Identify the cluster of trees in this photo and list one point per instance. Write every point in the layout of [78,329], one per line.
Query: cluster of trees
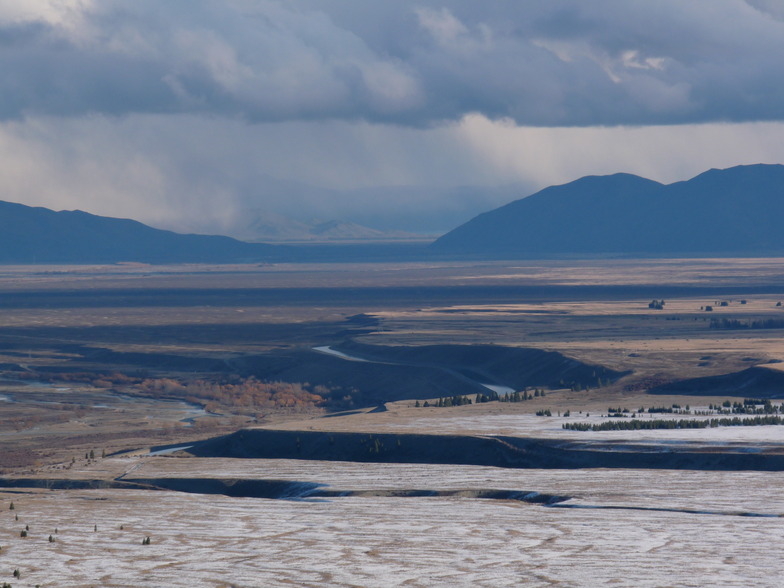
[656,304]
[748,406]
[232,393]
[578,386]
[522,395]
[735,324]
[617,411]
[489,396]
[244,395]
[675,408]
[658,409]
[375,444]
[639,424]
[448,401]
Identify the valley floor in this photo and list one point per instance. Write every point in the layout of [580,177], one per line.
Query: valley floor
[109,360]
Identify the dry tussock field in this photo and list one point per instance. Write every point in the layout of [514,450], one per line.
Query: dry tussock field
[108,359]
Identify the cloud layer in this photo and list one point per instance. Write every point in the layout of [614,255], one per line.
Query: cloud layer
[419,63]
[190,171]
[411,114]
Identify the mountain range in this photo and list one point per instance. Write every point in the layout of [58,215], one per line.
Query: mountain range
[39,235]
[735,211]
[258,225]
[730,212]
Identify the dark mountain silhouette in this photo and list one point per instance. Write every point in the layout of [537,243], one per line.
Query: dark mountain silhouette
[39,235]
[735,211]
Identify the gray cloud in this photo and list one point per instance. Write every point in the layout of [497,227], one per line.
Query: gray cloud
[191,172]
[414,63]
[411,115]
[773,8]
[197,173]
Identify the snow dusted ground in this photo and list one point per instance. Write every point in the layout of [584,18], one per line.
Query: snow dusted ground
[527,425]
[210,540]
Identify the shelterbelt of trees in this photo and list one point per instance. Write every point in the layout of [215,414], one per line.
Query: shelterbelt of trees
[640,424]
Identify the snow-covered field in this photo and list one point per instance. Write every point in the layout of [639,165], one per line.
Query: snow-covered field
[705,535]
[455,421]
[527,425]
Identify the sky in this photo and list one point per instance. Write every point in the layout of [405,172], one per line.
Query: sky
[406,115]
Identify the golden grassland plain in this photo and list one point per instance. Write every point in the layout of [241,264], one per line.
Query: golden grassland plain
[595,311]
[67,332]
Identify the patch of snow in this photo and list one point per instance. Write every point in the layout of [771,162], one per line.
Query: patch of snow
[169,450]
[502,390]
[212,540]
[334,352]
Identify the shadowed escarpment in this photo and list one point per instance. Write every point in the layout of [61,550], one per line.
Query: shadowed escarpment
[368,384]
[497,451]
[389,373]
[72,484]
[273,489]
[516,367]
[754,382]
[293,490]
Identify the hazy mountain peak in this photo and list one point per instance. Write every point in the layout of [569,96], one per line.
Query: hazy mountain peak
[259,225]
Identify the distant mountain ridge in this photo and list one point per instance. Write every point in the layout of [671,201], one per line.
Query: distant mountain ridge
[258,225]
[39,235]
[731,212]
[735,211]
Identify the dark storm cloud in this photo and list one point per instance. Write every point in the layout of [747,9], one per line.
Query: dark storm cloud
[557,63]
